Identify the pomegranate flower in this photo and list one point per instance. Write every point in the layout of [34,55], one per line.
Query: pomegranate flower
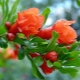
[67,34]
[29,22]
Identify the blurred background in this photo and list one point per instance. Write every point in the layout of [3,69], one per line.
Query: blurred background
[60,9]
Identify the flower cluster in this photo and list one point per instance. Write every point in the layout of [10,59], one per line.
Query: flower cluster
[44,44]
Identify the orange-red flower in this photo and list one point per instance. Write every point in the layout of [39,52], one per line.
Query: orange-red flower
[29,22]
[67,34]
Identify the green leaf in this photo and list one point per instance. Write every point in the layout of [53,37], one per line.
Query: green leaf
[21,54]
[38,61]
[36,72]
[74,46]
[58,49]
[61,50]
[35,46]
[2,30]
[6,10]
[74,54]
[3,43]
[78,2]
[39,48]
[70,71]
[49,63]
[30,45]
[63,56]
[52,44]
[73,62]
[3,8]
[37,39]
[13,18]
[13,9]
[46,13]
[19,40]
[57,64]
[65,50]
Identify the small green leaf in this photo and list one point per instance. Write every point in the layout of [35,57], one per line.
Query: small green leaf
[13,9]
[46,13]
[6,11]
[58,49]
[7,8]
[73,62]
[39,48]
[57,64]
[30,45]
[13,18]
[36,72]
[74,54]
[64,50]
[3,8]
[21,54]
[38,61]
[61,50]
[2,30]
[19,40]
[52,43]
[3,43]
[74,46]
[35,46]
[63,56]
[49,63]
[37,39]
[72,71]
[78,2]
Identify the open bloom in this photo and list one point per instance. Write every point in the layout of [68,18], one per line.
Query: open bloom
[67,35]
[29,22]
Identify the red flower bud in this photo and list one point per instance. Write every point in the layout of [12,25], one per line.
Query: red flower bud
[10,36]
[52,56]
[45,68]
[8,25]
